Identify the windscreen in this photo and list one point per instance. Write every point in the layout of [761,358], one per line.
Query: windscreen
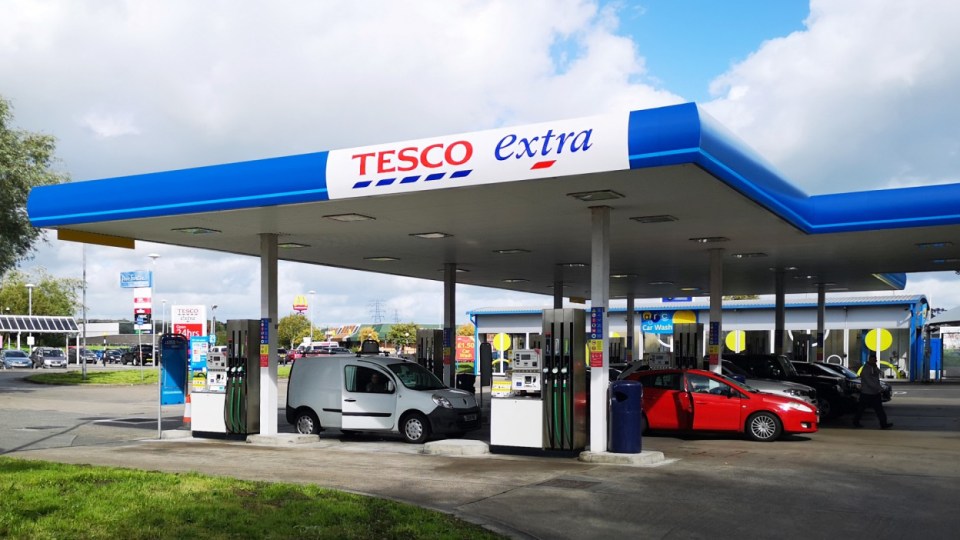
[415,377]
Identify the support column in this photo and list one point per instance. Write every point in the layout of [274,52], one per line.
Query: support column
[780,311]
[557,287]
[268,310]
[630,328]
[821,318]
[449,322]
[715,344]
[600,298]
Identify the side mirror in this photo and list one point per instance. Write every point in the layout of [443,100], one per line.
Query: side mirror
[390,387]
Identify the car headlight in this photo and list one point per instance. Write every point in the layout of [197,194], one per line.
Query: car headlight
[797,406]
[442,401]
[794,391]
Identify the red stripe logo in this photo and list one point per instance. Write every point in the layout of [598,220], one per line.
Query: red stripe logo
[543,164]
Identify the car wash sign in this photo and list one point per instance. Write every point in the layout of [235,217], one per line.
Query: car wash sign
[656,322]
[547,150]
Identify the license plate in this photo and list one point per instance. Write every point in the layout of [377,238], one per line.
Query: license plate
[469,417]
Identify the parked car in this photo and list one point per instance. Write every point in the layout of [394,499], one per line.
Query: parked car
[886,391]
[90,356]
[15,358]
[697,400]
[139,355]
[832,397]
[112,356]
[44,357]
[772,386]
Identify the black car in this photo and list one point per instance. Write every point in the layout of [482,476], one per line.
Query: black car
[833,396]
[112,356]
[139,355]
[886,391]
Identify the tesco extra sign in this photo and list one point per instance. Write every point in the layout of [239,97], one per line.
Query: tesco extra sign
[189,321]
[544,150]
[409,158]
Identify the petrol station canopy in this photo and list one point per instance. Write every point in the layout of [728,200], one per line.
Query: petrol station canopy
[510,208]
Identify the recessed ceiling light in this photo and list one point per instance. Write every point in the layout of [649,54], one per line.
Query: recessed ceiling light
[562,286]
[753,255]
[381,259]
[662,218]
[934,245]
[600,195]
[655,283]
[292,245]
[432,235]
[196,230]
[809,276]
[575,265]
[513,251]
[710,239]
[514,280]
[838,289]
[348,217]
[944,261]
[785,268]
[622,276]
[689,289]
[458,270]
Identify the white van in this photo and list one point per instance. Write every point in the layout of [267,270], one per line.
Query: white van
[373,393]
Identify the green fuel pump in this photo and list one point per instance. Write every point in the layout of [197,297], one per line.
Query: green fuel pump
[241,408]
[563,389]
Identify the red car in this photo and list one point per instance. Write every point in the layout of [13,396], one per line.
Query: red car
[697,400]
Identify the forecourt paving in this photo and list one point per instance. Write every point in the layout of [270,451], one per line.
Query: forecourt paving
[839,482]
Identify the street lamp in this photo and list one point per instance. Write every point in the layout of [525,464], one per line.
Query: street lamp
[311,293]
[153,342]
[30,287]
[213,322]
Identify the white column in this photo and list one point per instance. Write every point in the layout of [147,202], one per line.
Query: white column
[600,297]
[715,344]
[268,310]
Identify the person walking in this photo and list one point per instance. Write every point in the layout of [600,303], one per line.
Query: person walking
[870,394]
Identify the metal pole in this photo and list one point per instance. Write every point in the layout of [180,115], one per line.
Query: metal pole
[83,362]
[153,345]
[311,293]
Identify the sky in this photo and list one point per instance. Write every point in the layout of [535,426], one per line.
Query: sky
[838,95]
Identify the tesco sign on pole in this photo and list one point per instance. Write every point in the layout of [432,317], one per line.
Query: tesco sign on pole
[189,321]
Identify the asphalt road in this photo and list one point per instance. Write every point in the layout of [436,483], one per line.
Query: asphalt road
[839,482]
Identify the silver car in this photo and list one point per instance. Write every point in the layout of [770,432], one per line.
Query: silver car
[771,386]
[44,357]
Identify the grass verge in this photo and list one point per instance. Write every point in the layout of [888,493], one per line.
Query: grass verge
[127,377]
[54,500]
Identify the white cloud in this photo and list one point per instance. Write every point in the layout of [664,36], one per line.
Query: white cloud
[861,99]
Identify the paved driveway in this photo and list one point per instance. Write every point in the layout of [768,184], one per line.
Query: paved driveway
[837,483]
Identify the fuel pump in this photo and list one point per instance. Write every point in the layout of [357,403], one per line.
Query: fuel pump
[801,347]
[241,411]
[564,382]
[688,345]
[430,351]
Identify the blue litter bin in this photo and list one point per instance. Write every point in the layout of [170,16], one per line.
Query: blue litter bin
[626,416]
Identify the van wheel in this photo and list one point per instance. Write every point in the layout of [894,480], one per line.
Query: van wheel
[307,423]
[415,428]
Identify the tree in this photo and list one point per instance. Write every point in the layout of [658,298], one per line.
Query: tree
[367,332]
[402,334]
[51,296]
[741,297]
[292,329]
[25,162]
[466,330]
